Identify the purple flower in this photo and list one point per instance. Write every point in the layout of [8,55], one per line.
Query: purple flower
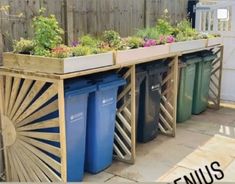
[150,42]
[170,39]
[75,43]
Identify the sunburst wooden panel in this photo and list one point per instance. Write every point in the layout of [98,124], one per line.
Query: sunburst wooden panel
[31,134]
[124,144]
[216,76]
[167,116]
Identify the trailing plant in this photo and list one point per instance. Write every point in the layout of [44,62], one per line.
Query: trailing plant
[47,33]
[61,51]
[23,46]
[134,42]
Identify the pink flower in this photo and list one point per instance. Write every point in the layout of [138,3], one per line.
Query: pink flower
[150,42]
[170,39]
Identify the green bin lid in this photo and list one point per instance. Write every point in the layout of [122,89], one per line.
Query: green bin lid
[208,56]
[191,58]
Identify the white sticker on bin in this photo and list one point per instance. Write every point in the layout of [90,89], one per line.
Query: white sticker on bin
[77,117]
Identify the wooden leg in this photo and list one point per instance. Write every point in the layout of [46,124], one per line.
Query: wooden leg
[61,103]
[6,165]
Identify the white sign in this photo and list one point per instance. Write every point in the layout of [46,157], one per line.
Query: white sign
[223,14]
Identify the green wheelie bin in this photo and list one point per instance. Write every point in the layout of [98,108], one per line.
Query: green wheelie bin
[186,86]
[202,82]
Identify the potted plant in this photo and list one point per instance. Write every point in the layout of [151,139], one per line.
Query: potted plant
[187,38]
[148,44]
[139,50]
[46,53]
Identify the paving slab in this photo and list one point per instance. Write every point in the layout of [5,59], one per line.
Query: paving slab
[101,177]
[118,179]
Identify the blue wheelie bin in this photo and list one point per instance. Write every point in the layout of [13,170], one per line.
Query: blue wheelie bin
[101,122]
[76,101]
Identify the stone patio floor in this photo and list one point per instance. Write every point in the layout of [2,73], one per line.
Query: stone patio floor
[161,155]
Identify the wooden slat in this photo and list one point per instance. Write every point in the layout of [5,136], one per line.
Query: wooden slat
[123,146]
[215,70]
[52,107]
[41,125]
[127,112]
[14,92]
[123,133]
[41,145]
[118,152]
[124,92]
[124,105]
[14,176]
[42,135]
[21,95]
[166,113]
[161,128]
[17,168]
[28,165]
[43,167]
[212,91]
[213,82]
[37,86]
[27,171]
[127,74]
[167,78]
[44,157]
[8,85]
[163,120]
[167,103]
[51,92]
[123,120]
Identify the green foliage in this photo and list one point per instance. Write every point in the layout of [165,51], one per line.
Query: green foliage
[184,31]
[47,33]
[89,41]
[134,42]
[23,46]
[163,27]
[148,33]
[81,50]
[61,51]
[113,39]
[40,51]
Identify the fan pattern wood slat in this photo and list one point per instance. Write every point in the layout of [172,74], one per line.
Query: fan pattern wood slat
[31,130]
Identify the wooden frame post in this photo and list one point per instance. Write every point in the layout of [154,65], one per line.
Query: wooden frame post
[61,104]
[2,127]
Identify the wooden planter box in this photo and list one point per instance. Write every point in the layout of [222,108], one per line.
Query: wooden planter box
[57,65]
[214,41]
[141,54]
[188,45]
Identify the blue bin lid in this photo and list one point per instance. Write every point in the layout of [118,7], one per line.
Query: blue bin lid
[108,80]
[78,86]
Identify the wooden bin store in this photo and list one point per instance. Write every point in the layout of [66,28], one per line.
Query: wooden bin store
[25,157]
